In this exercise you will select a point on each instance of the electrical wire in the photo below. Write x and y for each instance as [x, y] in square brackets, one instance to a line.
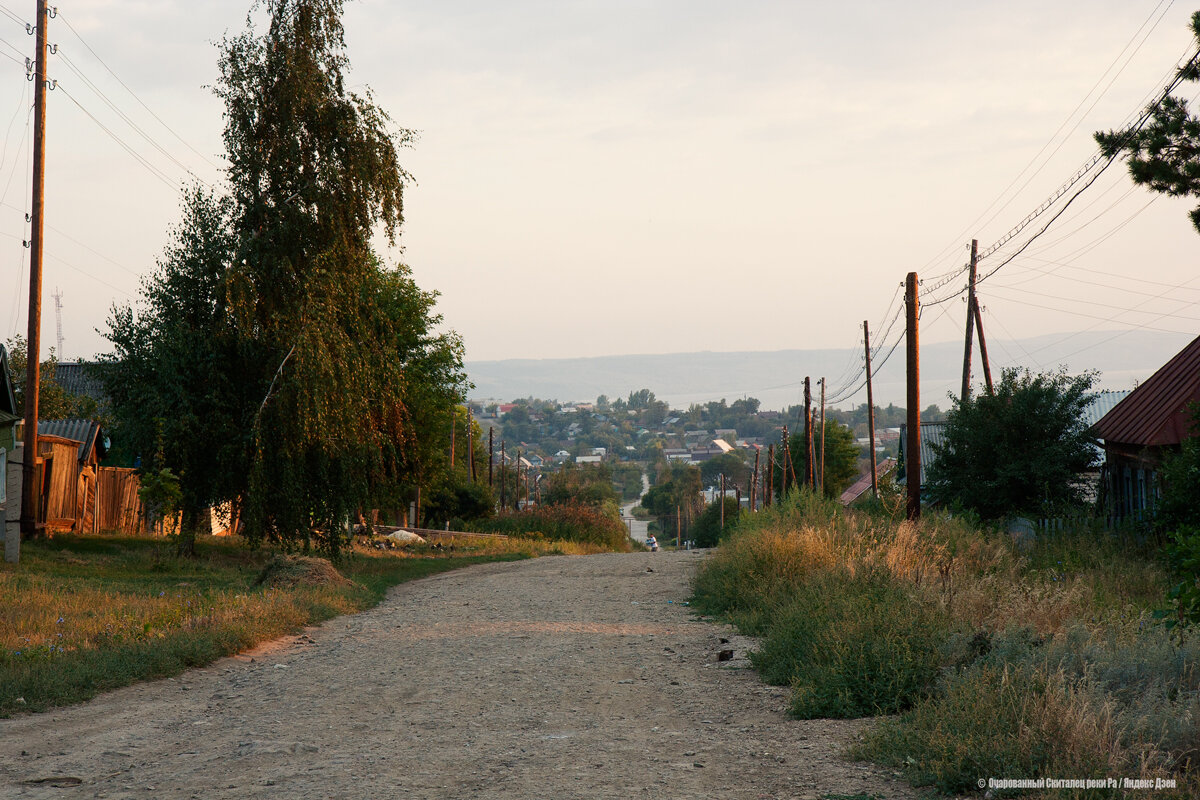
[133, 94]
[153, 170]
[126, 118]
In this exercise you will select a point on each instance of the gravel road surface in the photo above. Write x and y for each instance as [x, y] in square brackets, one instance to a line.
[559, 677]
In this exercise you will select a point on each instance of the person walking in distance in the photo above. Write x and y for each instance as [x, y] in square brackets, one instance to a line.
[652, 543]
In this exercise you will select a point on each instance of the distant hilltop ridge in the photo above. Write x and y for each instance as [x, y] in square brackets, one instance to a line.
[776, 377]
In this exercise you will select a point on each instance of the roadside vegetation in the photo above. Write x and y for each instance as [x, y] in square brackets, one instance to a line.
[596, 529]
[999, 659]
[86, 614]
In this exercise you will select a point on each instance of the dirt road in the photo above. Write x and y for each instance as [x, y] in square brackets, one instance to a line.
[560, 677]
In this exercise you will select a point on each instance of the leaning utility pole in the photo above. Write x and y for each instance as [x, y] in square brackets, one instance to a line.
[870, 409]
[912, 444]
[966, 374]
[30, 491]
[987, 369]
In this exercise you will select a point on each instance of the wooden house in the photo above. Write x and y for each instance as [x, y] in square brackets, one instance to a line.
[10, 453]
[73, 449]
[1141, 430]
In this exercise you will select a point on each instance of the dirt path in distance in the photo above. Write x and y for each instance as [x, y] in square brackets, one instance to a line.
[560, 677]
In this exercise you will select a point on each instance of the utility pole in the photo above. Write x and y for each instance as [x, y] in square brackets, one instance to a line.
[31, 491]
[722, 501]
[502, 471]
[491, 452]
[754, 481]
[453, 431]
[965, 394]
[987, 370]
[470, 447]
[822, 462]
[808, 434]
[870, 409]
[912, 445]
[769, 489]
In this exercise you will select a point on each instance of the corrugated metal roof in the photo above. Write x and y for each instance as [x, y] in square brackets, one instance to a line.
[78, 378]
[860, 486]
[1101, 403]
[1155, 413]
[931, 433]
[84, 431]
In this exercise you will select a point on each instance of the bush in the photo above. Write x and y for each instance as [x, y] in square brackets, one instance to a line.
[852, 646]
[572, 522]
[707, 531]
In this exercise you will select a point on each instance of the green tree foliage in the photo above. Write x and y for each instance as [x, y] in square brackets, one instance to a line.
[677, 491]
[177, 401]
[586, 484]
[1019, 451]
[707, 532]
[841, 459]
[313, 173]
[54, 402]
[274, 359]
[1179, 517]
[1164, 153]
[731, 465]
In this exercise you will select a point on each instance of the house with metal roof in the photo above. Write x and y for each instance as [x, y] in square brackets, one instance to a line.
[1142, 429]
[10, 416]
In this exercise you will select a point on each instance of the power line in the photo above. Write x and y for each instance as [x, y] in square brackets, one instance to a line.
[155, 171]
[125, 117]
[133, 94]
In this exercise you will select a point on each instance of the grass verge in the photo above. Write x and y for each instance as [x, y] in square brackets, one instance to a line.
[994, 660]
[82, 615]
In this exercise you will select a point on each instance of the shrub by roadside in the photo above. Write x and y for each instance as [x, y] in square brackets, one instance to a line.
[1005, 662]
[566, 522]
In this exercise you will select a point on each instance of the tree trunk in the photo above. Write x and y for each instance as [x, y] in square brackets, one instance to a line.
[186, 544]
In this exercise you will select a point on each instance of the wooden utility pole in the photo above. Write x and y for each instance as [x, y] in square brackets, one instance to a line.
[31, 490]
[502, 471]
[678, 529]
[808, 434]
[491, 452]
[453, 432]
[517, 487]
[470, 446]
[987, 369]
[912, 445]
[822, 461]
[754, 481]
[769, 489]
[722, 501]
[870, 409]
[965, 394]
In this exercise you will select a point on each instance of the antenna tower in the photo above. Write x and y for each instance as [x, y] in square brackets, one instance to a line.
[58, 318]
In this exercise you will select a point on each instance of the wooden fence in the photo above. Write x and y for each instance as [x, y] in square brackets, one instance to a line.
[118, 507]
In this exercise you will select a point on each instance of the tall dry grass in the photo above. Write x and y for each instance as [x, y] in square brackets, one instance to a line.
[1005, 660]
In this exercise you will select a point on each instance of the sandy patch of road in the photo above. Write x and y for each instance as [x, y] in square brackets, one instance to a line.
[563, 677]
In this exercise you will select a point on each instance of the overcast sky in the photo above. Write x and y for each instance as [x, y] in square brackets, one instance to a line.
[648, 177]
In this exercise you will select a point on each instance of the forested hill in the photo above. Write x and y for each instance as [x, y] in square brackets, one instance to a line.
[775, 377]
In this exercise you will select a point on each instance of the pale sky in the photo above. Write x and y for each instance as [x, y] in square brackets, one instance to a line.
[647, 177]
